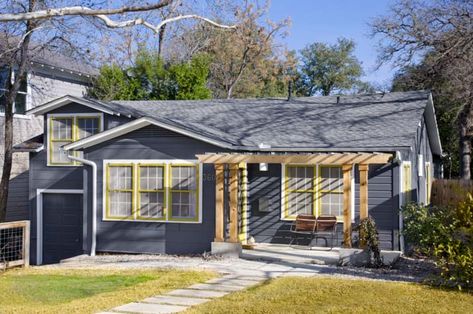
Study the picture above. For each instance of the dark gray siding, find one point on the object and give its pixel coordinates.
(154, 237)
(42, 176)
(382, 205)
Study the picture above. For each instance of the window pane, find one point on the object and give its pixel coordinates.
(183, 178)
(62, 129)
(300, 178)
(300, 203)
(120, 204)
(332, 204)
(120, 178)
(331, 179)
(183, 204)
(58, 155)
(152, 204)
(151, 178)
(3, 78)
(20, 104)
(88, 126)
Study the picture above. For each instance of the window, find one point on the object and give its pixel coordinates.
(19, 106)
(331, 191)
(406, 182)
(428, 182)
(152, 191)
(300, 190)
(183, 193)
(67, 129)
(120, 190)
(311, 192)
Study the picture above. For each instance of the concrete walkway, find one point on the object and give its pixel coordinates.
(181, 299)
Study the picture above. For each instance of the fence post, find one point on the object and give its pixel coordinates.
(26, 244)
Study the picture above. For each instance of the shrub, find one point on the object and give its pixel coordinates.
(446, 235)
(369, 239)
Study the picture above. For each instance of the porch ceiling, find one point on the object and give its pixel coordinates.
(312, 158)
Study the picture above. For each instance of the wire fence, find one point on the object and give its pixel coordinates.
(14, 244)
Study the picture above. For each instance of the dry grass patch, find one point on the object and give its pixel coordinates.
(327, 295)
(37, 290)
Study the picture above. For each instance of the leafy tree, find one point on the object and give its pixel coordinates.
(328, 68)
(152, 79)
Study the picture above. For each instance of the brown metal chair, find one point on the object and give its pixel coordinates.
(303, 225)
(326, 226)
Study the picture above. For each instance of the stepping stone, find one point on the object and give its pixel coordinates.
(197, 293)
(233, 282)
(167, 299)
(215, 287)
(148, 308)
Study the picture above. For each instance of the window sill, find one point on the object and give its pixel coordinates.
(17, 116)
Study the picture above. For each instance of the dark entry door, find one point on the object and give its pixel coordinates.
(62, 226)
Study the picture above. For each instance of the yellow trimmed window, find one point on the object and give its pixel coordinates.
(406, 182)
(65, 130)
(428, 182)
(183, 192)
(312, 192)
(142, 191)
(331, 191)
(300, 190)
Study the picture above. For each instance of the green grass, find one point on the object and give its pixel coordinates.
(325, 295)
(39, 290)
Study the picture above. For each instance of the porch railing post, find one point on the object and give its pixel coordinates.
(347, 169)
(219, 206)
(233, 203)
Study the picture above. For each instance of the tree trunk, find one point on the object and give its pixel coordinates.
(11, 93)
(465, 147)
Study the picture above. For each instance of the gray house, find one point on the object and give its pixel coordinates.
(183, 177)
(50, 75)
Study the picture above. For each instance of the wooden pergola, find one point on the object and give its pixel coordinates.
(233, 160)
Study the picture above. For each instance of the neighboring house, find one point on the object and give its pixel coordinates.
(50, 75)
(155, 171)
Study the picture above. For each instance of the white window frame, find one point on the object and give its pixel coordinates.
(167, 163)
(28, 100)
(73, 116)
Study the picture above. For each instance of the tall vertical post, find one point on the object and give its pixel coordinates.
(233, 203)
(347, 205)
(363, 191)
(219, 206)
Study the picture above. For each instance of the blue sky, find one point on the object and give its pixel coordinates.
(326, 20)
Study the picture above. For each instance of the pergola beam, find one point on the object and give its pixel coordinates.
(313, 158)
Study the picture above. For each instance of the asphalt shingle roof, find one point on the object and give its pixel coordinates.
(352, 122)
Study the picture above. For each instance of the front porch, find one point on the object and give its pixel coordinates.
(231, 194)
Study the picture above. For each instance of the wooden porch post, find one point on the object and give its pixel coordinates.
(233, 230)
(347, 205)
(363, 191)
(219, 216)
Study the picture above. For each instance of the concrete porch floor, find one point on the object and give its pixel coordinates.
(292, 254)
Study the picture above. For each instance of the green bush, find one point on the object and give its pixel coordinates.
(445, 235)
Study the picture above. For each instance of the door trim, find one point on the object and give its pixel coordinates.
(39, 217)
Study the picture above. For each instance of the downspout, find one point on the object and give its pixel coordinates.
(94, 199)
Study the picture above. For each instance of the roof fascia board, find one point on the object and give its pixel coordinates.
(28, 150)
(432, 127)
(65, 100)
(135, 125)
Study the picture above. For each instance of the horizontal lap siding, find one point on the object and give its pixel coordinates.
(155, 237)
(269, 228)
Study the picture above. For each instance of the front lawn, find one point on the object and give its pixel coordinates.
(85, 291)
(326, 295)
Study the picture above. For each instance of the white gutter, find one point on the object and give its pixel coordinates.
(94, 199)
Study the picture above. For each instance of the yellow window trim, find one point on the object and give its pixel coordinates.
(74, 132)
(136, 189)
(428, 181)
(197, 178)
